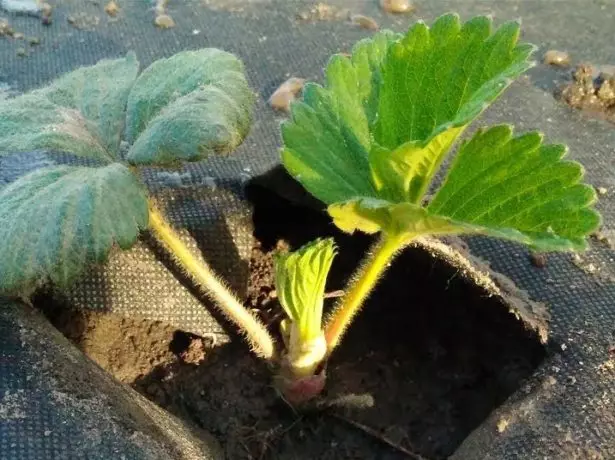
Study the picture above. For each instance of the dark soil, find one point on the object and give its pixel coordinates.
(424, 364)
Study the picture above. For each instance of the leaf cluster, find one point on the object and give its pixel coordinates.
(56, 220)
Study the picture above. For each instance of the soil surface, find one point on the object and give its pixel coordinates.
(423, 365)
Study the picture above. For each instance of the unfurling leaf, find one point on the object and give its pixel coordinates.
(57, 220)
(81, 112)
(188, 106)
(300, 284)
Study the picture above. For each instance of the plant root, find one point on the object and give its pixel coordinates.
(379, 436)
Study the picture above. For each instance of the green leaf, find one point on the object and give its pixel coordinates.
(57, 220)
(327, 142)
(300, 283)
(418, 95)
(82, 112)
(187, 107)
(520, 189)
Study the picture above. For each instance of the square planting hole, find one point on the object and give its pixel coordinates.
(425, 362)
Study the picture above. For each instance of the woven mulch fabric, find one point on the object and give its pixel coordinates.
(566, 410)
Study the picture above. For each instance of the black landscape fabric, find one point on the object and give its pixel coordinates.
(566, 410)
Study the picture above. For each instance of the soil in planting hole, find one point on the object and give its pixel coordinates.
(426, 361)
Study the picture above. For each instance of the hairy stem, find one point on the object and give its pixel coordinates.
(206, 279)
(361, 286)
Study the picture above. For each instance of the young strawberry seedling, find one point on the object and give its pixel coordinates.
(58, 219)
(370, 142)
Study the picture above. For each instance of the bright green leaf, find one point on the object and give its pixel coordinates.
(445, 76)
(82, 112)
(518, 188)
(188, 106)
(300, 283)
(57, 220)
(327, 142)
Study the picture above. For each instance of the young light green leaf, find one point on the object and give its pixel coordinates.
(57, 220)
(300, 283)
(82, 112)
(400, 175)
(327, 142)
(188, 106)
(425, 89)
(520, 189)
(372, 216)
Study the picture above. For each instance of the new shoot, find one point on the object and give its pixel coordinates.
(300, 283)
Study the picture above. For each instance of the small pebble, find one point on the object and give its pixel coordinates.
(602, 190)
(606, 92)
(286, 93)
(397, 6)
(5, 28)
(538, 259)
(18, 36)
(557, 58)
(112, 8)
(46, 11)
(164, 21)
(21, 52)
(364, 22)
(34, 41)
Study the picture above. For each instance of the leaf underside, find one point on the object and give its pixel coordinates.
(408, 105)
(300, 283)
(56, 220)
(81, 112)
(188, 106)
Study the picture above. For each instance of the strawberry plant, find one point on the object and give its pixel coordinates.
(370, 142)
(59, 218)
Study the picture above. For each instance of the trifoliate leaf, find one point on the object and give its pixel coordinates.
(520, 189)
(82, 112)
(57, 220)
(187, 107)
(300, 283)
(425, 88)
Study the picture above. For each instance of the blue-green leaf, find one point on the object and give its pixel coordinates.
(82, 112)
(187, 107)
(300, 283)
(57, 220)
